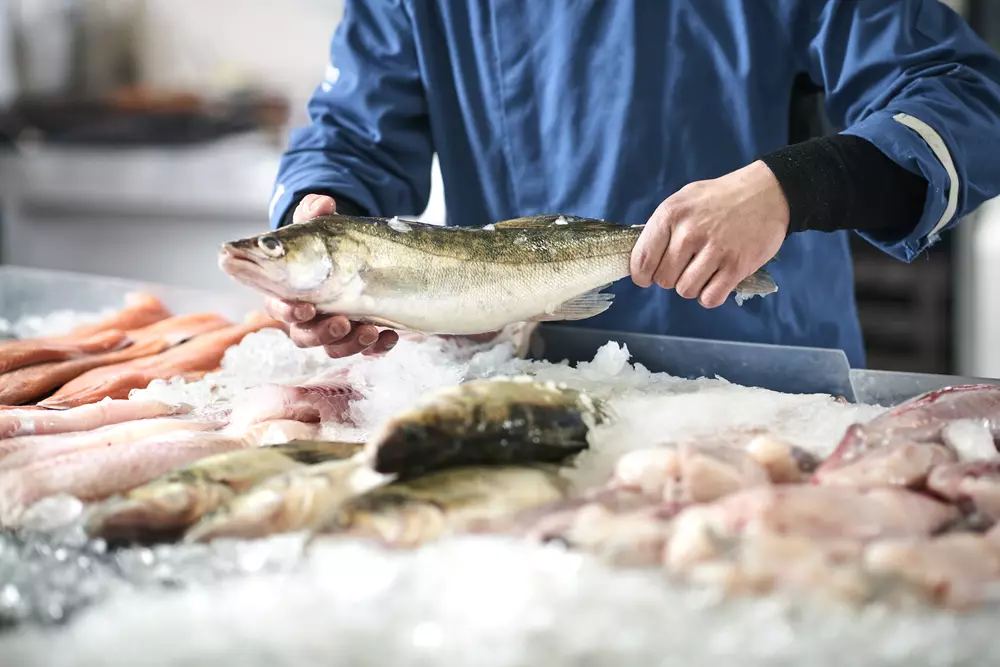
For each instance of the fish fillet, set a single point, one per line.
(95, 474)
(316, 402)
(34, 382)
(17, 452)
(20, 422)
(37, 351)
(141, 309)
(202, 353)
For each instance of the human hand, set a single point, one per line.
(708, 236)
(339, 336)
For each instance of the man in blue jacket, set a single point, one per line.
(672, 113)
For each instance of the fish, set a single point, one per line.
(296, 500)
(974, 485)
(36, 351)
(819, 513)
(688, 473)
(928, 419)
(141, 309)
(423, 509)
(95, 474)
(172, 503)
(16, 452)
(39, 421)
(482, 422)
(203, 352)
(34, 382)
(445, 280)
(957, 571)
(318, 401)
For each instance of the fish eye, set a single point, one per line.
(271, 246)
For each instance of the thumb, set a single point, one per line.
(313, 206)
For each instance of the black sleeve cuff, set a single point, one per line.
(845, 182)
(345, 206)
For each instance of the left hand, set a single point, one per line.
(709, 235)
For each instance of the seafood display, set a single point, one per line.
(228, 434)
(445, 280)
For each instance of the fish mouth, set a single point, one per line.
(245, 267)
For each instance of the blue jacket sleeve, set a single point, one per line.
(912, 78)
(368, 138)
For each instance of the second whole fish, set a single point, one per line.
(414, 512)
(445, 280)
(483, 422)
(175, 501)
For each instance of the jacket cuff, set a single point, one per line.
(844, 182)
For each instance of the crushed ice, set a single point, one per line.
(444, 603)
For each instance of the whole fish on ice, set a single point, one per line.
(445, 280)
(175, 501)
(417, 511)
(483, 422)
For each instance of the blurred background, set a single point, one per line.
(146, 132)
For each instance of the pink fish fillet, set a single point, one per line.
(20, 422)
(919, 420)
(95, 474)
(321, 401)
(16, 452)
(19, 354)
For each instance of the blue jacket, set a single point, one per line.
(603, 108)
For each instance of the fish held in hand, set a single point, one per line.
(445, 280)
(411, 513)
(175, 501)
(484, 422)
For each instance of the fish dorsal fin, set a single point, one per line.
(579, 307)
(551, 220)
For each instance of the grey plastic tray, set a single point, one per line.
(25, 291)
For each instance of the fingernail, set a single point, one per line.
(388, 346)
(314, 205)
(338, 330)
(367, 338)
(302, 312)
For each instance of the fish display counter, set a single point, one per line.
(181, 484)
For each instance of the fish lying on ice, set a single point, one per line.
(445, 280)
(33, 382)
(299, 499)
(16, 452)
(481, 422)
(805, 510)
(902, 445)
(95, 474)
(38, 351)
(37, 421)
(423, 509)
(175, 501)
(688, 473)
(322, 400)
(201, 353)
(141, 309)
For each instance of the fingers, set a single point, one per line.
(313, 206)
(321, 331)
(675, 260)
(360, 338)
(696, 275)
(289, 312)
(649, 248)
(386, 341)
(719, 288)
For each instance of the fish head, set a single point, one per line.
(300, 262)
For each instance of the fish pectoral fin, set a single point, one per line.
(760, 282)
(579, 307)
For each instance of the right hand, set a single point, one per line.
(339, 336)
